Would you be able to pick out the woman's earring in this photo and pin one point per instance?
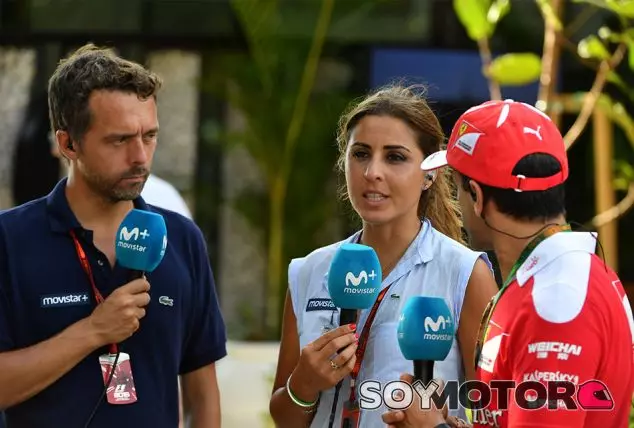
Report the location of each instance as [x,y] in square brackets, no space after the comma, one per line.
[429,180]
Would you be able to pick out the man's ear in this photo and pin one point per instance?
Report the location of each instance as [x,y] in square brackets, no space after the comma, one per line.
[65,145]
[478,198]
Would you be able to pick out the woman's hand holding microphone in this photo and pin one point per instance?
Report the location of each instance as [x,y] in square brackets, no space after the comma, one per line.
[323,363]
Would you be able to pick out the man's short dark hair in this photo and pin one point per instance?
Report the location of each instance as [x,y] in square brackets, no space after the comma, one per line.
[86,70]
[540,205]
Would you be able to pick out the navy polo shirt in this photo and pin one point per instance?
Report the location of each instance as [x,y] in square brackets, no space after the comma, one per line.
[39,266]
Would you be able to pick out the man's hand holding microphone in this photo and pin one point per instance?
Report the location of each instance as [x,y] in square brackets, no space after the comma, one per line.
[140,245]
[120,314]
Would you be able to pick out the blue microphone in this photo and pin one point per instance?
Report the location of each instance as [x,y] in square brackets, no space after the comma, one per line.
[354,280]
[141,242]
[425,334]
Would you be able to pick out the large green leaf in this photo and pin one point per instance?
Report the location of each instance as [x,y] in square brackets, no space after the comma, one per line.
[592,47]
[515,69]
[473,16]
[630,45]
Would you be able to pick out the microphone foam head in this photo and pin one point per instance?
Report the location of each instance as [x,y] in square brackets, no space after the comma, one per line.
[141,240]
[354,278]
[425,329]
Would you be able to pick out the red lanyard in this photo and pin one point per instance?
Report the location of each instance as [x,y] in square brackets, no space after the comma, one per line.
[85,264]
[363,341]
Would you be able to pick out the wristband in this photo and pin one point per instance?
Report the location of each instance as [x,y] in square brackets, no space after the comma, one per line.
[300,403]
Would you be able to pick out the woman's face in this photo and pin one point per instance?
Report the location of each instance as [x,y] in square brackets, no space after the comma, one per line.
[383,173]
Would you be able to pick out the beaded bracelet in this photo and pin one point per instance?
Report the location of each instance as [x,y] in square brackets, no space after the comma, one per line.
[300,403]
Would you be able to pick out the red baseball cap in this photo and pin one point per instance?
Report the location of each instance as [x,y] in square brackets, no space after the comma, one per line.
[488,140]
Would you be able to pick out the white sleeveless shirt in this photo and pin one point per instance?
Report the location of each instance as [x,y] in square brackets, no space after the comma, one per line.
[434,265]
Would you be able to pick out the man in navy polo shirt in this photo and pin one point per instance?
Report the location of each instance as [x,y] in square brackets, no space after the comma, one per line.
[52,333]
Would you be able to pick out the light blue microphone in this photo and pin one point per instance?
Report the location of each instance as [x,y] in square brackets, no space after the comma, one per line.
[354,280]
[141,242]
[425,334]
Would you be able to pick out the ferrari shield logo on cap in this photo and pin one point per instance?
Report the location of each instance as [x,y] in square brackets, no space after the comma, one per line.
[463,128]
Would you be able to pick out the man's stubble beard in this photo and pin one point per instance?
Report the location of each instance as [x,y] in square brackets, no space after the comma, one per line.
[109,189]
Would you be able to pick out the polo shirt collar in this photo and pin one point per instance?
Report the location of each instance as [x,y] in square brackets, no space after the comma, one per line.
[61,218]
[420,251]
[553,247]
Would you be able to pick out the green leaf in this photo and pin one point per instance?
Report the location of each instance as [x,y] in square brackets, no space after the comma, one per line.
[624,174]
[617,113]
[549,14]
[592,47]
[497,11]
[631,56]
[597,3]
[515,69]
[605,33]
[473,16]
[624,8]
[625,170]
[614,78]
[621,183]
[624,120]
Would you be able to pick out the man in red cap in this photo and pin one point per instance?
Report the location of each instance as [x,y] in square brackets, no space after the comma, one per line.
[561,314]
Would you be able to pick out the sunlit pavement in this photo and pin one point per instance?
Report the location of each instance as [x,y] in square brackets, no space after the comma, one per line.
[245,379]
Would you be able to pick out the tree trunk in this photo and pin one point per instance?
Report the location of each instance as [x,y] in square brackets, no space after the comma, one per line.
[275,255]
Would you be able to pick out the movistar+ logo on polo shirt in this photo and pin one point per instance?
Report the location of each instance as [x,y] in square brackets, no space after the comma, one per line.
[320,305]
[65,299]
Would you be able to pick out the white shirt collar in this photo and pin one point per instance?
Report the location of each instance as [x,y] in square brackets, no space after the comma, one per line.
[552,248]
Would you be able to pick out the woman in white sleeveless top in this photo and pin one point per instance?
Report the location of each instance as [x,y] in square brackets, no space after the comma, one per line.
[412,223]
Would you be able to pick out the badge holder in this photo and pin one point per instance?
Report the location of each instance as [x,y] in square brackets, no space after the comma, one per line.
[121,389]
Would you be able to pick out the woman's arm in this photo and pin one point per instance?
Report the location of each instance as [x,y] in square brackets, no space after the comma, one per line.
[284,411]
[311,370]
[480,290]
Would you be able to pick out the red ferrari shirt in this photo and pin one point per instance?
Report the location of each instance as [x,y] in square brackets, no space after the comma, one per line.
[565,317]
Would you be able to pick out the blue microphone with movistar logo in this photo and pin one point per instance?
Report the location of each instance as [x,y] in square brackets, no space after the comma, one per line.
[354,280]
[141,242]
[425,334]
